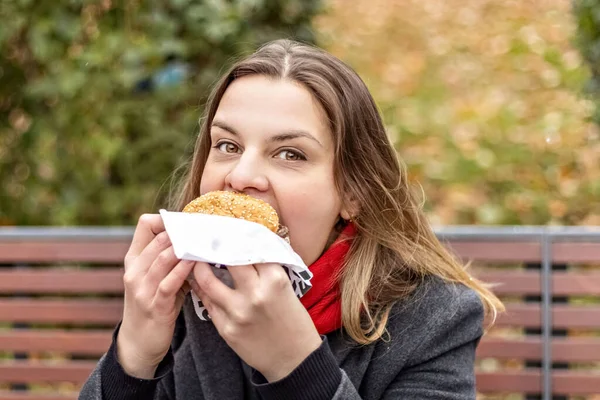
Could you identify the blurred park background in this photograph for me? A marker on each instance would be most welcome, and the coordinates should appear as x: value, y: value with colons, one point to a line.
x: 490, y: 102
x: 492, y: 105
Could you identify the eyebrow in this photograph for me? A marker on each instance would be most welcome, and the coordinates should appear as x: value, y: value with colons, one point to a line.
x: 280, y: 137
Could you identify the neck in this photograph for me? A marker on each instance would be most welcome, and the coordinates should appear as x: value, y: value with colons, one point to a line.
x: 335, y: 233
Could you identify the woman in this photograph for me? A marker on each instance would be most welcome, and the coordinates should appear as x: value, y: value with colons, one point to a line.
x: 391, y: 314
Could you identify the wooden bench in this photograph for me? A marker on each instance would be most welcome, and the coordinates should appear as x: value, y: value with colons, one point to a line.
x: 493, y: 252
x: 63, y: 291
x: 61, y: 295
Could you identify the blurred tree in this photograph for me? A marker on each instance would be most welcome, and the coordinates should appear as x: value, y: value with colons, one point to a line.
x: 483, y: 100
x: 99, y: 101
x: 587, y: 14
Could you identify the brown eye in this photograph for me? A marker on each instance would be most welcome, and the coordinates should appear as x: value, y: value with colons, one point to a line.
x: 228, y: 147
x: 290, y: 155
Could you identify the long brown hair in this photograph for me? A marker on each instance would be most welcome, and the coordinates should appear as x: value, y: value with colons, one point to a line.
x: 395, y: 247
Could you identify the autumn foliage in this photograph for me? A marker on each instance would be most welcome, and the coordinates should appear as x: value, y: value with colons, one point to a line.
x: 483, y: 99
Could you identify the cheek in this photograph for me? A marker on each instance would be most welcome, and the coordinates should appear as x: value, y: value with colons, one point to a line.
x: 310, y: 216
x: 211, y: 179
x: 311, y: 208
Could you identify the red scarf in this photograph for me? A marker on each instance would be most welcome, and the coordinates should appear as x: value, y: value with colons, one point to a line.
x: 323, y: 300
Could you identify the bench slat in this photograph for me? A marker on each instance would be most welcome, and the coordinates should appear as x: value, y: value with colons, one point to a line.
x: 108, y: 311
x: 563, y: 316
x: 526, y: 348
x: 520, y: 315
x: 529, y: 381
x: 6, y: 395
x: 530, y: 348
x: 80, y: 342
x: 114, y: 250
x: 99, y: 311
x: 509, y: 251
x: 110, y: 280
x: 496, y: 251
x: 518, y: 282
x: 509, y: 382
x: 55, y: 280
x: 564, y: 382
x: 512, y: 282
x: 61, y: 251
x: 576, y: 283
x: 575, y: 252
x: 570, y: 316
x: 25, y: 371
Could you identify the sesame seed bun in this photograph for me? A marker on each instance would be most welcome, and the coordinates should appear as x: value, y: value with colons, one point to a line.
x: 236, y: 205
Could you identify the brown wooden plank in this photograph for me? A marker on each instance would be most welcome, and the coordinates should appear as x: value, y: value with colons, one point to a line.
x: 563, y: 316
x: 520, y: 315
x: 25, y: 371
x: 519, y: 282
x: 526, y: 381
x: 576, y: 349
x: 99, y: 311
x: 568, y: 316
x: 529, y: 381
x: 576, y: 252
x: 59, y: 251
x: 575, y: 382
x: 511, y: 282
x: 526, y: 348
x: 576, y: 283
x: 7, y: 395
x: 109, y: 280
x: 55, y: 280
x: 80, y: 342
x: 563, y: 349
x: 498, y: 251
x: 509, y: 382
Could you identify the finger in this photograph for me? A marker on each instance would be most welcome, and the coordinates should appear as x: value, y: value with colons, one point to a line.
x: 273, y: 274
x: 269, y: 270
x: 172, y: 285
x: 244, y: 276
x: 148, y: 226
x: 147, y: 257
x: 209, y: 284
x: 162, y: 265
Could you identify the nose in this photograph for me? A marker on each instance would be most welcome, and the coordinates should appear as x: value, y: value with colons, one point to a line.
x: 247, y: 174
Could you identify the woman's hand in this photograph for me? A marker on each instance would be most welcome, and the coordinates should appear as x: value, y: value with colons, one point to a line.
x: 155, y: 287
x: 262, y: 320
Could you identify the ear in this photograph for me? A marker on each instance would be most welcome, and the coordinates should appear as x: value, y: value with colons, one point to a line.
x: 350, y: 209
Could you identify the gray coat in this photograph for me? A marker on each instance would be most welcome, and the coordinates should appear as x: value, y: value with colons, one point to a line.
x: 429, y: 355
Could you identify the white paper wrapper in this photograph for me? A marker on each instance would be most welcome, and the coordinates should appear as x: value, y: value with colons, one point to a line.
x: 225, y: 241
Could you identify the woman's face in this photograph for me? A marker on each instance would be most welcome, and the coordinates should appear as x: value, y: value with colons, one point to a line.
x: 270, y: 139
